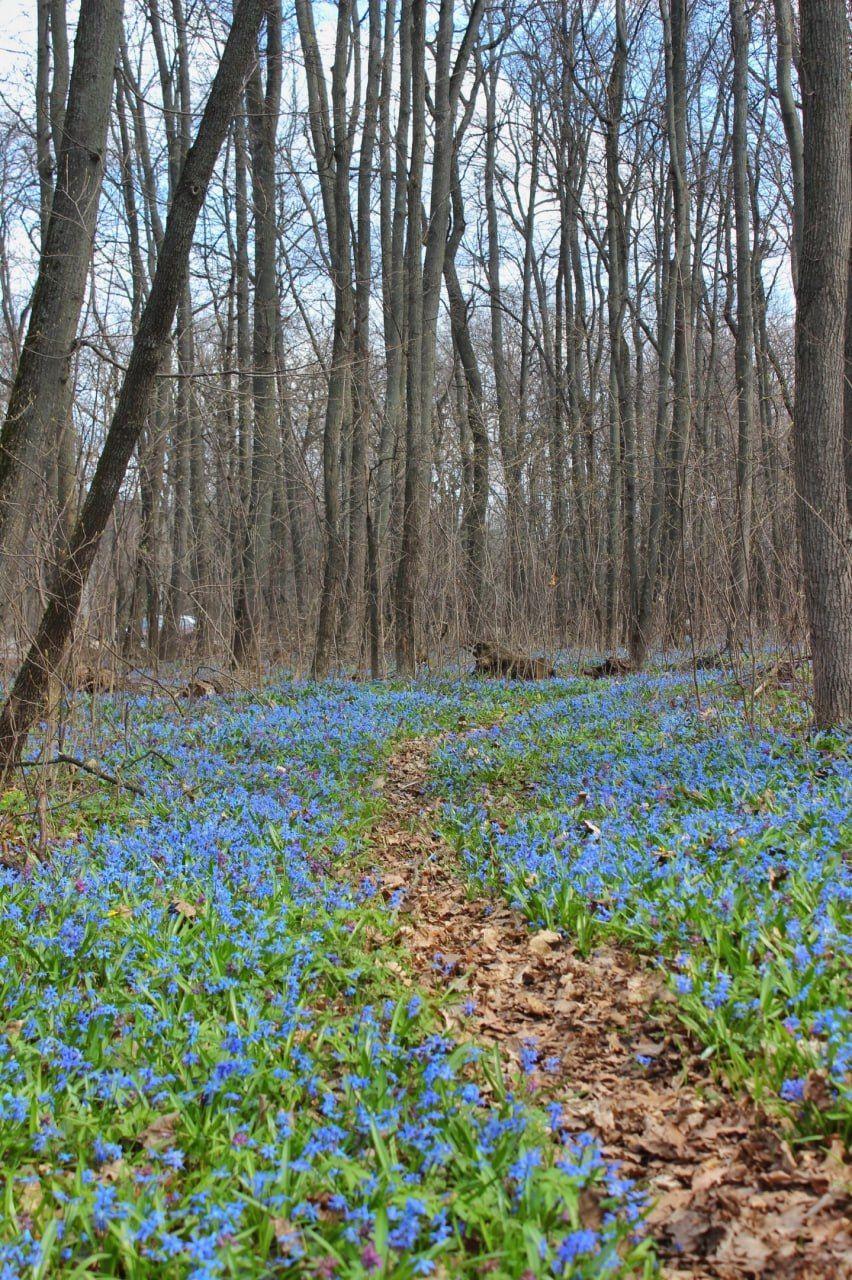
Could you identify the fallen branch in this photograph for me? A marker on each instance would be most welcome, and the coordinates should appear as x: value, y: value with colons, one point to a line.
x: 88, y: 767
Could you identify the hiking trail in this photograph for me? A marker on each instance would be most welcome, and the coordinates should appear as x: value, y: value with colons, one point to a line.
x: 733, y: 1199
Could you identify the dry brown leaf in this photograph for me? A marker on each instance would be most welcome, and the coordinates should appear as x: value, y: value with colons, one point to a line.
x: 669, y: 1204
x: 709, y: 1174
x: 30, y: 1197
x: 590, y: 1210
x: 660, y: 1137
x: 693, y: 1232
x: 604, y: 1119
x: 543, y: 942
x: 160, y: 1131
x: 112, y: 1171
x: 649, y: 1048
x: 745, y: 1249
x: 179, y: 907
x: 283, y: 1229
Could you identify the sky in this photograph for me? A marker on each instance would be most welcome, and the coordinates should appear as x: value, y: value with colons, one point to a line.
x: 18, y: 36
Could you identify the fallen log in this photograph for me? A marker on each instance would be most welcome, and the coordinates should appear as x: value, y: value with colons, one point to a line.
x: 608, y: 668
x: 493, y: 660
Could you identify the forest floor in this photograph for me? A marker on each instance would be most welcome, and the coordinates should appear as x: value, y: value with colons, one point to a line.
x: 596, y: 1035
x: 456, y: 978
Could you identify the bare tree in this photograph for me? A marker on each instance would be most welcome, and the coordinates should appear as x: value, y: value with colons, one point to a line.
x: 744, y: 362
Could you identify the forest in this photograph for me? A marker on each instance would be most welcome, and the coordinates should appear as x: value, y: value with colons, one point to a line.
x: 425, y: 639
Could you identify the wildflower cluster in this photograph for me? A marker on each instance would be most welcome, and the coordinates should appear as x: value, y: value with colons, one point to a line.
x: 715, y: 847
x: 208, y: 1067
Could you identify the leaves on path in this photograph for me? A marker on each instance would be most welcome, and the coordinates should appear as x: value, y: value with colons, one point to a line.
x: 732, y: 1200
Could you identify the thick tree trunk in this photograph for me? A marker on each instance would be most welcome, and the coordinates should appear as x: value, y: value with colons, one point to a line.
x: 408, y: 570
x: 847, y: 384
x: 507, y: 426
x: 332, y: 140
x: 675, y: 19
x: 824, y: 522
x: 622, y: 483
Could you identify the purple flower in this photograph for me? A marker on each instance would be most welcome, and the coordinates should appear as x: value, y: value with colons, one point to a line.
x: 370, y: 1258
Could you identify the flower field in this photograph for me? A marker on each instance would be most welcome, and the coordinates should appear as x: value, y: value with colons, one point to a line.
x: 719, y: 849
x: 213, y: 1058
x: 207, y: 1066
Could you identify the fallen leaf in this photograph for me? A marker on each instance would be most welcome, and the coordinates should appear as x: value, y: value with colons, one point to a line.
x: 694, y: 1233
x: 660, y: 1137
x: 709, y: 1174
x: 181, y: 908
x: 543, y: 942
x: 817, y: 1090
x: 160, y: 1131
x: 670, y: 1203
x: 111, y: 1171
x: 649, y: 1048
x: 30, y: 1197
x: 745, y: 1249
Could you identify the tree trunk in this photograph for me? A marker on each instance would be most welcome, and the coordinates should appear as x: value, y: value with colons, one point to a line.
x: 263, y: 111
x: 791, y: 122
x: 361, y: 388
x: 824, y: 523
x: 743, y: 356
x: 332, y: 141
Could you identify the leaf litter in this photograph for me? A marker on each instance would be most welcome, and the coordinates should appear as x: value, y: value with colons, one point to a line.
x: 732, y: 1197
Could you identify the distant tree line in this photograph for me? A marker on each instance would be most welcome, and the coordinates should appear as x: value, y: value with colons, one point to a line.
x: 478, y: 319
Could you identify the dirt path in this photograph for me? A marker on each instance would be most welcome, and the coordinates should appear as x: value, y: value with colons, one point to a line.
x: 732, y: 1199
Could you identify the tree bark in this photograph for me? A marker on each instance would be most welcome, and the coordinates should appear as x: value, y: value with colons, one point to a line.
x: 823, y: 515
x: 263, y: 111
x: 332, y: 142
x: 792, y: 123
x: 743, y: 355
